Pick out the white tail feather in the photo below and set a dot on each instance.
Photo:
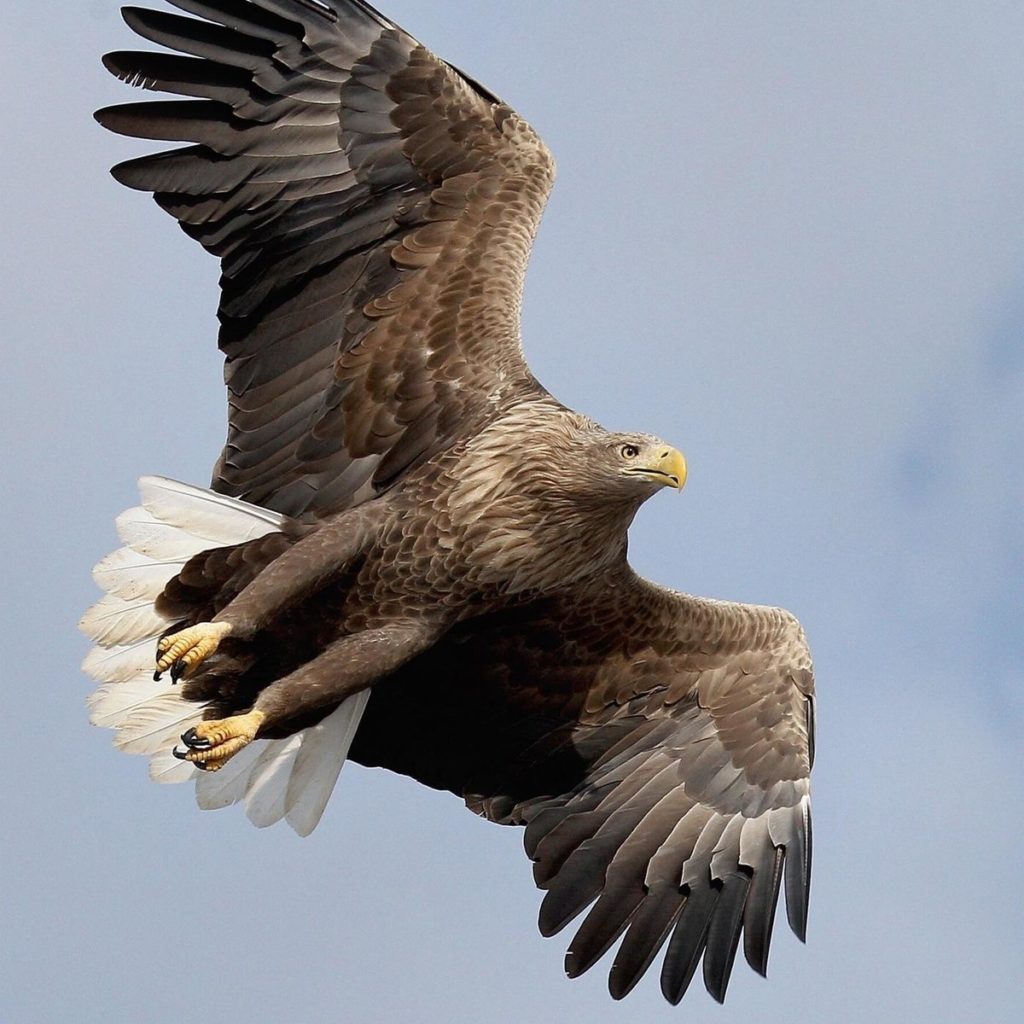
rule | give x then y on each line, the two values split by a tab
206	514
120	664
113	622
147	535
131	576
157	726
220	789
290	778
113	702
164	767
319	762
268	782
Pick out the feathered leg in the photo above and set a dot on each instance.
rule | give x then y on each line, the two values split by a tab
349	665
308	564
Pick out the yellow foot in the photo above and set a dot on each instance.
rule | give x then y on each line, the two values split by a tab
210	744
183	651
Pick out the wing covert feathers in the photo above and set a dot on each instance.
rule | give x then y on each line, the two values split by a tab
657	748
686	828
290	778
373	211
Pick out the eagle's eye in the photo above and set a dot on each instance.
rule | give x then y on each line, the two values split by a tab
629	451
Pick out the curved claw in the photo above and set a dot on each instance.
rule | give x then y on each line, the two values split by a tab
211	744
203	766
184	651
194	741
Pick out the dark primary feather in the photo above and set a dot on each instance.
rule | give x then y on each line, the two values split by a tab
373	211
759	910
661	775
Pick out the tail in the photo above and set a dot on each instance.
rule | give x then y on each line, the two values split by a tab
290	778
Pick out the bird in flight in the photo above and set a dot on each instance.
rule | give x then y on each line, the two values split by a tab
411	554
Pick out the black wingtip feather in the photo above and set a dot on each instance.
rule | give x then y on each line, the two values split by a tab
104	115
564	902
253	18
191	170
687	943
172	72
759	912
139	19
606	921
113	62
136	173
798	878
131	15
647	932
165	120
200	38
724	934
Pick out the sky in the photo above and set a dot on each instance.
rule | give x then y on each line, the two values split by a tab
789	238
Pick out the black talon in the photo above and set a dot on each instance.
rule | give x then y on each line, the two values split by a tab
195	741
181	755
156	676
177	670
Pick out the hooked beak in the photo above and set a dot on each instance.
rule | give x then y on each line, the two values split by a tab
668	468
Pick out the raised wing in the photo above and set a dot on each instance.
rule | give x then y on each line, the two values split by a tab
373	211
656	746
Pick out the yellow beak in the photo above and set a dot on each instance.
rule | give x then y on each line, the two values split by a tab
667	468
673	464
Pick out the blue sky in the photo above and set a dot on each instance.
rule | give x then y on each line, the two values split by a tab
789	239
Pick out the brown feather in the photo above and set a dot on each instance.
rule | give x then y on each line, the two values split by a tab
460	537
377	195
518	685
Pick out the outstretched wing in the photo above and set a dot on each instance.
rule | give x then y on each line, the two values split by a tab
373	210
656	746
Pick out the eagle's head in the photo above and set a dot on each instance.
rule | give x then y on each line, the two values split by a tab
641	463
630	467
581	461
563	465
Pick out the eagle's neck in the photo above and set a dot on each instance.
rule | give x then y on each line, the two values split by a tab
521	545
520	523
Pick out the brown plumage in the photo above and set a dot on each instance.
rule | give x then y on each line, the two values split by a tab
441	531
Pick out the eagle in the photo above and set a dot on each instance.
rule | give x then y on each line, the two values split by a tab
411	554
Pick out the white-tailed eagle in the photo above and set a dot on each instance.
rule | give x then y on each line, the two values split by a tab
411	554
